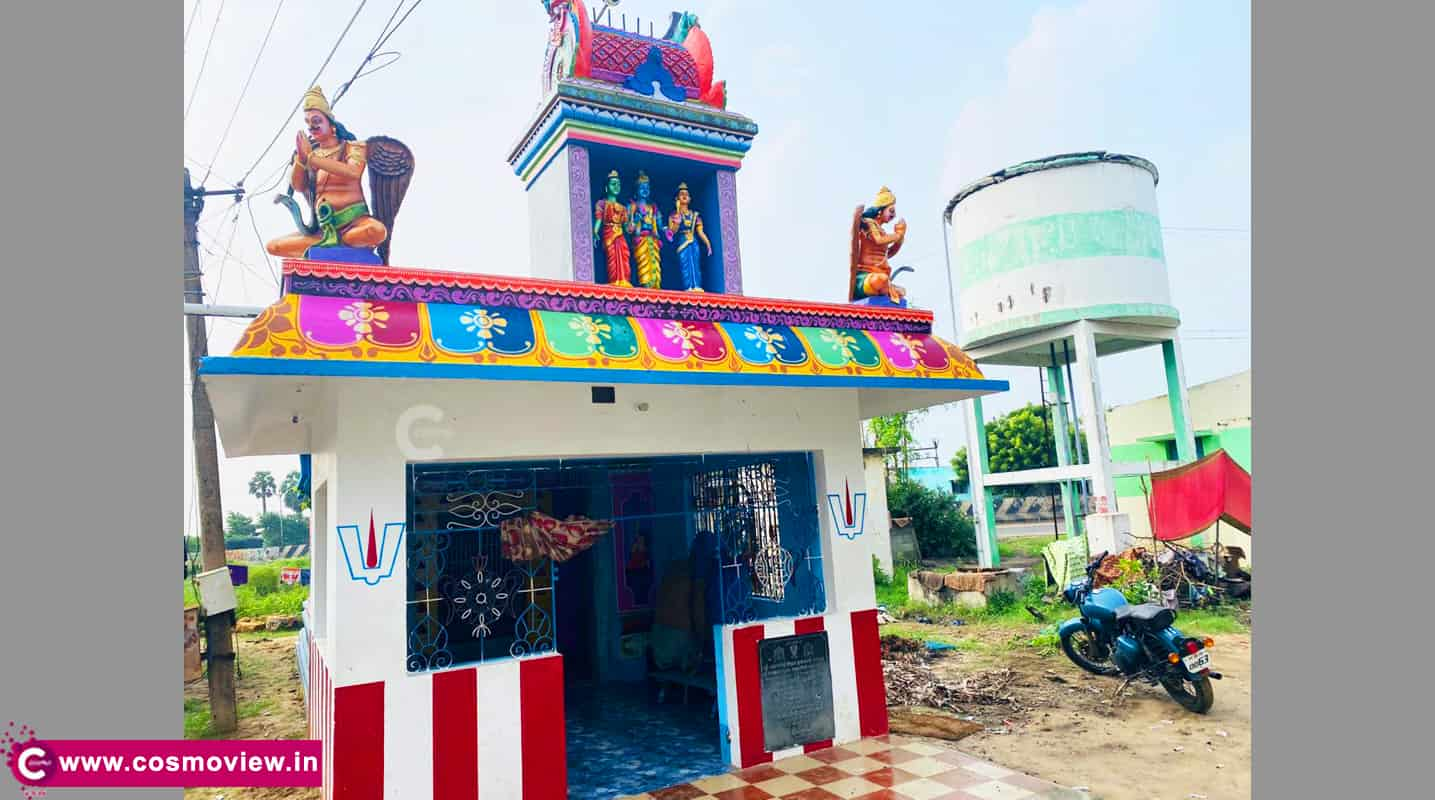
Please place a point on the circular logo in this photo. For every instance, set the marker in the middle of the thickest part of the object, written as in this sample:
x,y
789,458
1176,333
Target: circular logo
x,y
34,763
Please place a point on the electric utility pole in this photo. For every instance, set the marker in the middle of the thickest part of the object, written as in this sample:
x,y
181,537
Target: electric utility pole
x,y
219,629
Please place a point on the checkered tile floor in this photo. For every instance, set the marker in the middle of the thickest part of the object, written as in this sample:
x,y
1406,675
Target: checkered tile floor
x,y
871,769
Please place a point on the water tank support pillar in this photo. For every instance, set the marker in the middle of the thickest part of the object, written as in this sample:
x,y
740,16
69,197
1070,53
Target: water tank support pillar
x,y
1060,430
1093,415
978,464
1180,402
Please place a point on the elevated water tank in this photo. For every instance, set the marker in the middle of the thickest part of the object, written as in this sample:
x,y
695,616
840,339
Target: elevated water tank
x,y
1056,240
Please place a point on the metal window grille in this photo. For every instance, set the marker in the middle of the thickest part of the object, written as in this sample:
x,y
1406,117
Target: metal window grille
x,y
764,514
466,602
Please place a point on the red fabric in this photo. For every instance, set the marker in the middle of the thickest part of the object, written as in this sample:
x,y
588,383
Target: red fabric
x,y
1191,498
537,535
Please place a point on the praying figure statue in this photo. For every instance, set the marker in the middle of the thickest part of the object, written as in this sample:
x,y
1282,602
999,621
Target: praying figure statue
x,y
329,163
686,226
610,220
643,216
872,245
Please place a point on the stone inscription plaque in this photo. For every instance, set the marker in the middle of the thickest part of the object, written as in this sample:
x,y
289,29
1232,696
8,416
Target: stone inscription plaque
x,y
795,674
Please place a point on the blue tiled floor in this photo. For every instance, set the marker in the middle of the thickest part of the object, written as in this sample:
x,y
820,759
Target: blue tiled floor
x,y
621,741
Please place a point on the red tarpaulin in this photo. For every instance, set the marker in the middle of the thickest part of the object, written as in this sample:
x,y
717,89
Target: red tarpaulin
x,y
1191,498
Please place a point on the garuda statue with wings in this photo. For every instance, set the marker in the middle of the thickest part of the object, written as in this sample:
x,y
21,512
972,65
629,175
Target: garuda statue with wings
x,y
329,163
870,279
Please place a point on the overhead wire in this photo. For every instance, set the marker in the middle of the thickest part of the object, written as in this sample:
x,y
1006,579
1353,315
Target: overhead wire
x,y
193,15
193,93
390,27
244,91
300,101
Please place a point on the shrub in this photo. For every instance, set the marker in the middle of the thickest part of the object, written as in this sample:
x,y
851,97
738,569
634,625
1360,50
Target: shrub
x,y
1136,582
263,579
242,542
1000,602
879,577
942,531
1033,589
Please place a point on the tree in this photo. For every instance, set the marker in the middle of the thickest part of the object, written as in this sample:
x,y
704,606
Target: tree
x,y
271,527
237,525
279,530
262,486
942,530
294,499
896,431
1022,439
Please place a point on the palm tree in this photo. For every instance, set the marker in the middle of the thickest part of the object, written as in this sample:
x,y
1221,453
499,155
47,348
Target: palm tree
x,y
289,491
262,486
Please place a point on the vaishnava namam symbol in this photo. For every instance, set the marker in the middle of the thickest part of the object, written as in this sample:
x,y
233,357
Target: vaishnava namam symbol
x,y
849,511
371,559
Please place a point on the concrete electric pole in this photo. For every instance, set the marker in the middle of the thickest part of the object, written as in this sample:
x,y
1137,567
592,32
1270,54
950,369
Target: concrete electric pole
x,y
219,628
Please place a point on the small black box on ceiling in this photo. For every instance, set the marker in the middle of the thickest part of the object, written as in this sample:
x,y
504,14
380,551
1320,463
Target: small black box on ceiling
x,y
604,394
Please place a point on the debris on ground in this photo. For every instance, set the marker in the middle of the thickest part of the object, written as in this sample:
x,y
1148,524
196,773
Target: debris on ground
x,y
911,681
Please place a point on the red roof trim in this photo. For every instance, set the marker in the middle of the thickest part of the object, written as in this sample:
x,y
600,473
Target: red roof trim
x,y
468,280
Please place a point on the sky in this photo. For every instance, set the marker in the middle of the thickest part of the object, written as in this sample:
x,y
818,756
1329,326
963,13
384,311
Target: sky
x,y
848,97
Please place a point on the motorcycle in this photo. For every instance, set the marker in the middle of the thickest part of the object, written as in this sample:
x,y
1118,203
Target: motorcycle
x,y
1115,638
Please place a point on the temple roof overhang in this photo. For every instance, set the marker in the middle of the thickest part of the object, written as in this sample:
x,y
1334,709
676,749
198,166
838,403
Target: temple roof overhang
x,y
349,322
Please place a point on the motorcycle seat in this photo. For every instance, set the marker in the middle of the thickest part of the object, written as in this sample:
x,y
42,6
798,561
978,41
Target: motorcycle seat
x,y
1149,616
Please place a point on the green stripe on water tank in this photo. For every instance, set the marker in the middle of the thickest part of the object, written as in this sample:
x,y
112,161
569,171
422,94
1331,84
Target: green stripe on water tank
x,y
1085,234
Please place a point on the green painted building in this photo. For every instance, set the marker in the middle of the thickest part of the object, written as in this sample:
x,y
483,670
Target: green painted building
x,y
1141,433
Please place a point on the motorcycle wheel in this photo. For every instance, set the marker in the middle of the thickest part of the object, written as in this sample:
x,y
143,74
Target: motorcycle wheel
x,y
1196,696
1086,652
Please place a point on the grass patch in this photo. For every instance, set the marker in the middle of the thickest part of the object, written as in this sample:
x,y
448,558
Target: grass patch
x,y
1022,546
1209,621
197,720
257,602
892,590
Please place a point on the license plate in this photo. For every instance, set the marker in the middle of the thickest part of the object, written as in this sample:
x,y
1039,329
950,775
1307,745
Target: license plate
x,y
1197,661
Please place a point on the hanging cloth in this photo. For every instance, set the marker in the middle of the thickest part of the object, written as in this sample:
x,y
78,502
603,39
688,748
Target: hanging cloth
x,y
536,535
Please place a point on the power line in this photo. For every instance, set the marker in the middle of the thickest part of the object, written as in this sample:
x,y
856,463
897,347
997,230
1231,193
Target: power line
x,y
389,29
204,60
242,92
300,101
193,15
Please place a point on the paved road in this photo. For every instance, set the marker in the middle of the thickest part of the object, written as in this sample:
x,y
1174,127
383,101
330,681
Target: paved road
x,y
1012,530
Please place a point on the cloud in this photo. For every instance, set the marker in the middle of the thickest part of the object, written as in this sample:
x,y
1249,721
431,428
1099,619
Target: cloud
x,y
1053,96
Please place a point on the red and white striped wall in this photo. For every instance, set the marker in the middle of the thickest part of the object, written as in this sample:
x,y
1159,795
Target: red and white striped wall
x,y
859,694
492,730
319,705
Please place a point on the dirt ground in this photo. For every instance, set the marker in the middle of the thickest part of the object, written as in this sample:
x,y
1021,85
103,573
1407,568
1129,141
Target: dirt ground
x,y
1064,726
1067,728
271,706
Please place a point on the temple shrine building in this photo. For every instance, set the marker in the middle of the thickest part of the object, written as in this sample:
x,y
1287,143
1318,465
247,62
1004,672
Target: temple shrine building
x,y
585,532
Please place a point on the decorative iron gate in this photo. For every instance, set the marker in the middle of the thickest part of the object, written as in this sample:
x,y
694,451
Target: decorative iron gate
x,y
752,517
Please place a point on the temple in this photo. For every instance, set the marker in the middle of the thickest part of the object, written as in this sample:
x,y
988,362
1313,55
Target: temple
x,y
600,528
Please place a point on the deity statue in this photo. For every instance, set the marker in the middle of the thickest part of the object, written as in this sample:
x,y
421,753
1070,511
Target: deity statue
x,y
643,216
610,219
686,225
872,245
327,167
